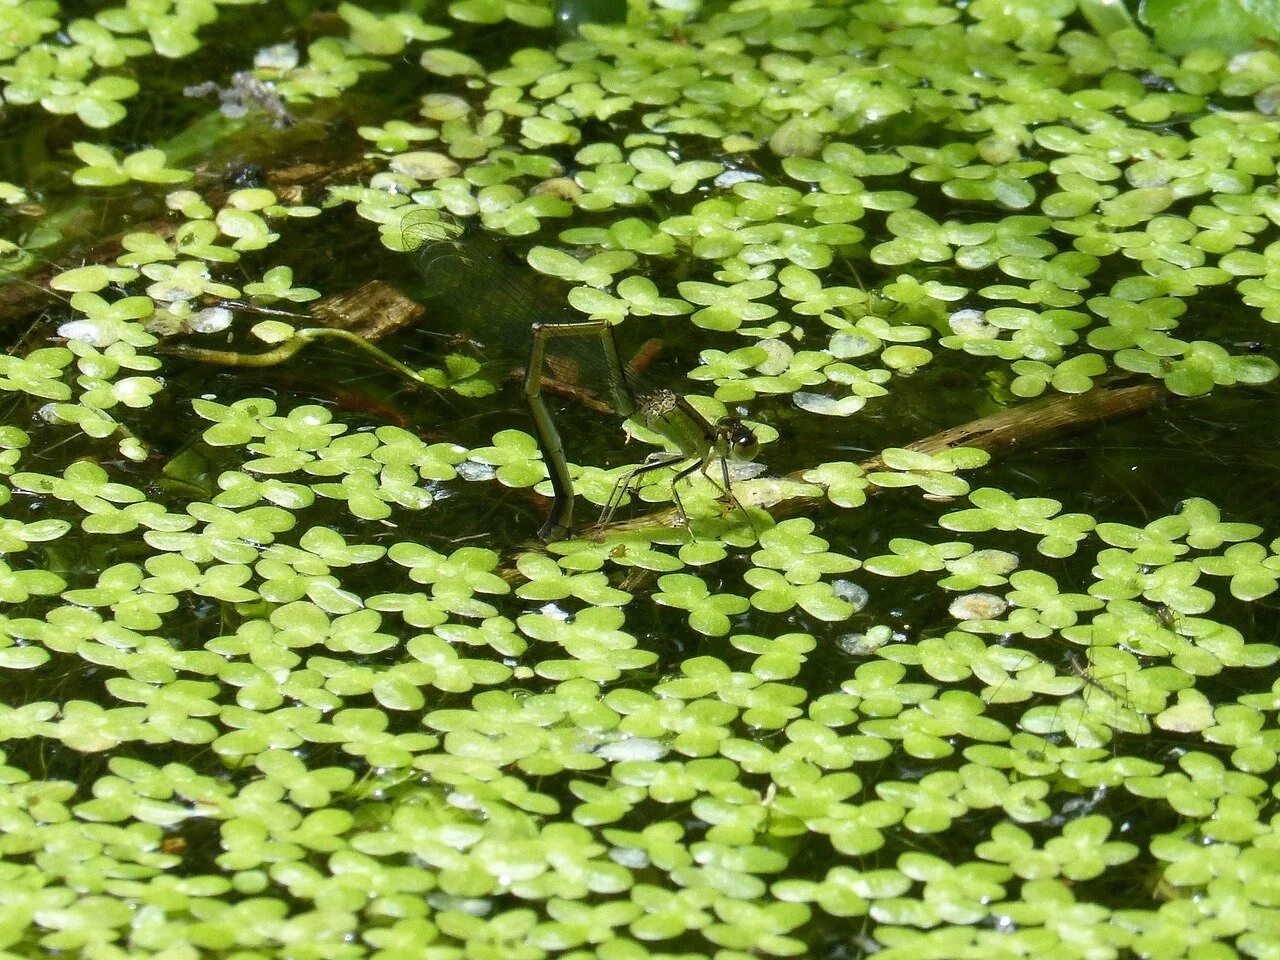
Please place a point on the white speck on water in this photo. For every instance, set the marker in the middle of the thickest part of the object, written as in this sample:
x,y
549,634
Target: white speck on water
x,y
388,182
200,89
849,591
474,470
132,390
973,324
744,470
280,56
847,344
978,606
556,612
633,858
472,906
779,359
85,331
463,801
730,177
437,490
1268,100
864,644
827,406
1240,62
212,320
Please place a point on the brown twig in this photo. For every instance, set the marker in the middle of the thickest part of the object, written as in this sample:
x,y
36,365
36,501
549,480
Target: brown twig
x,y
1009,429
998,434
579,395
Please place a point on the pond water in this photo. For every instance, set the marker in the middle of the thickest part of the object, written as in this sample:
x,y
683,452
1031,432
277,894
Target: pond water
x,y
980,661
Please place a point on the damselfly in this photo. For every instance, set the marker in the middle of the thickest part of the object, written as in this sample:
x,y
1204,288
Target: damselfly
x,y
510,310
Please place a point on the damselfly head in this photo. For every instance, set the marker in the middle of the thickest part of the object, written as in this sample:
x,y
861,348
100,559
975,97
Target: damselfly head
x,y
739,441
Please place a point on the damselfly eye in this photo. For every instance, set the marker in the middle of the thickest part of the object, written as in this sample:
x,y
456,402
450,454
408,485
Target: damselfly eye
x,y
743,444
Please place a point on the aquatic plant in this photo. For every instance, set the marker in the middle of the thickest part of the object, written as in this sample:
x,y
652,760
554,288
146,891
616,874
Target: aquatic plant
x,y
282,675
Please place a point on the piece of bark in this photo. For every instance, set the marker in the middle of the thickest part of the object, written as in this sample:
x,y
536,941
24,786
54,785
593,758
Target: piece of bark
x,y
373,310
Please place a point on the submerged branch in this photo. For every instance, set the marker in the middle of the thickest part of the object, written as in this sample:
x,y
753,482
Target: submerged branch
x,y
998,434
1005,431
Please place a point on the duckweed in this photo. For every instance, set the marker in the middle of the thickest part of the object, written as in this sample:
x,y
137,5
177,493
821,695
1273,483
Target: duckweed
x,y
282,674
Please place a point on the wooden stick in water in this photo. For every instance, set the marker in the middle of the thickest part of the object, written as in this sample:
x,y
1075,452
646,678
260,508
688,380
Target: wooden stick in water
x,y
998,434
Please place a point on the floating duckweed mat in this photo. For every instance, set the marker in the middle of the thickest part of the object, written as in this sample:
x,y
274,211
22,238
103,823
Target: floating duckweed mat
x,y
283,675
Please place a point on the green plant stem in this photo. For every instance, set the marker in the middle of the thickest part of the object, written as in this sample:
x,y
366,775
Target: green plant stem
x,y
286,350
